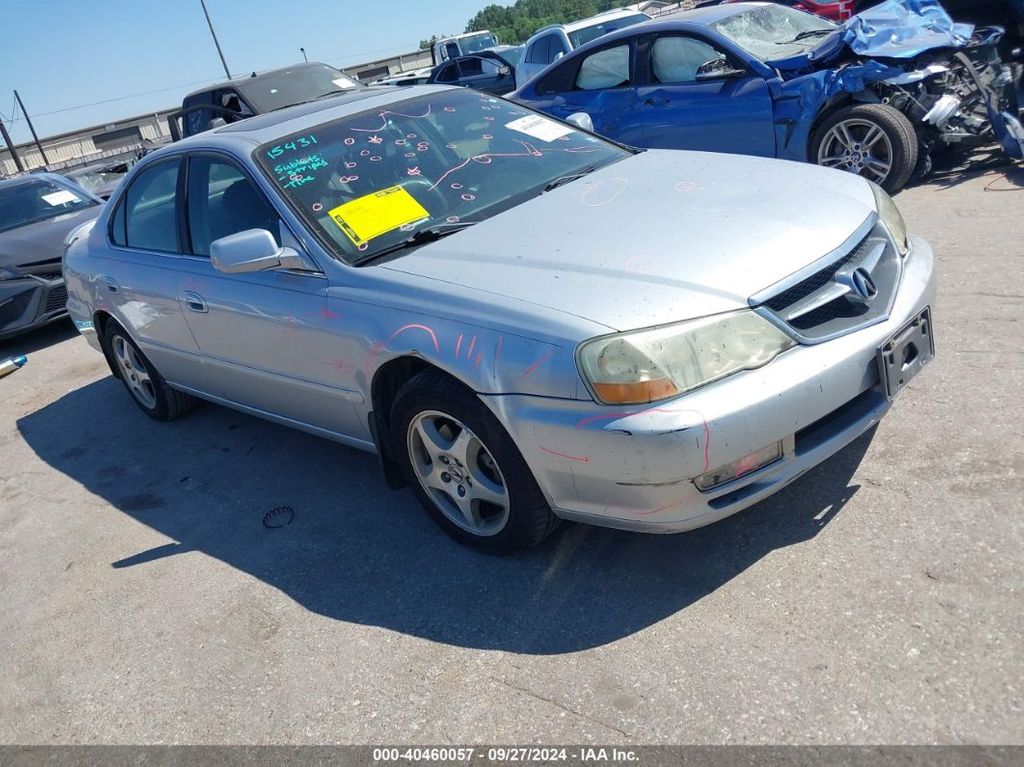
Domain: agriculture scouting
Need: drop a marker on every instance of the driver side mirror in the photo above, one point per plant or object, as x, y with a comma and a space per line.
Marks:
504, 71
725, 73
581, 120
253, 250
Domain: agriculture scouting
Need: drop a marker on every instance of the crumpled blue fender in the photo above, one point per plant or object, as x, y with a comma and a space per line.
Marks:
798, 101
903, 29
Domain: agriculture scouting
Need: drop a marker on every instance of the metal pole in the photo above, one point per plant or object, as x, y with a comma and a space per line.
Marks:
32, 128
304, 56
10, 146
215, 40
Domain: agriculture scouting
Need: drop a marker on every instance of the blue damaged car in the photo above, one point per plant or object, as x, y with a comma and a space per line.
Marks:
877, 95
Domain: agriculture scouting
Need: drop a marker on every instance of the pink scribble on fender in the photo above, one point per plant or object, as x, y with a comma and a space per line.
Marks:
580, 458
379, 345
338, 365
478, 360
639, 264
660, 509
540, 361
328, 314
615, 416
384, 120
472, 343
458, 345
685, 186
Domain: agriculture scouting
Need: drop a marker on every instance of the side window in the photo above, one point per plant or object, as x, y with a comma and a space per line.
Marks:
557, 46
117, 233
150, 212
547, 53
678, 59
448, 74
604, 69
223, 201
471, 67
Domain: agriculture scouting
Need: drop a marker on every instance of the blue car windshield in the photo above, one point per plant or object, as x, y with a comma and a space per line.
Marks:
37, 200
773, 31
367, 182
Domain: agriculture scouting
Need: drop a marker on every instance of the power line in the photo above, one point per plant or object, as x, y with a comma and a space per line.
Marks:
123, 98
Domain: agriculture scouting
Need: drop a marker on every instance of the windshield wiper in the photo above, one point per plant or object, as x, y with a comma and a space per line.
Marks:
807, 33
561, 180
422, 237
315, 98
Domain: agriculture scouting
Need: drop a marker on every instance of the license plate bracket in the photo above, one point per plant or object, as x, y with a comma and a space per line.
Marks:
903, 355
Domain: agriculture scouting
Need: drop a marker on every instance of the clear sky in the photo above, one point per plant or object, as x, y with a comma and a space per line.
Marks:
147, 54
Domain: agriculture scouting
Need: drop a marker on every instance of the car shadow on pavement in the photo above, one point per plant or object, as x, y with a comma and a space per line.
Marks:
351, 550
37, 340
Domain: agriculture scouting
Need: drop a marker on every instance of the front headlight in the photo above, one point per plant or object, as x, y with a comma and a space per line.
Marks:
654, 364
891, 217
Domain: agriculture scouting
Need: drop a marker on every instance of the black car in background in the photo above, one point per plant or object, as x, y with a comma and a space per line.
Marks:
257, 94
37, 214
493, 71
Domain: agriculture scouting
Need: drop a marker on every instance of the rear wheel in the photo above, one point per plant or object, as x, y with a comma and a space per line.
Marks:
464, 468
146, 386
875, 141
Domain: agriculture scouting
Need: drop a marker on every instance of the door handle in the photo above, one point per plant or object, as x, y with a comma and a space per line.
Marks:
111, 284
648, 102
194, 301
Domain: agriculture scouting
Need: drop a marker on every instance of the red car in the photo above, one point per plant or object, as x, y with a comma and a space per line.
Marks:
836, 10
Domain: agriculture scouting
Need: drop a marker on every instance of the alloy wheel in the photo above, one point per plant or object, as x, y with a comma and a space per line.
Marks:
134, 373
858, 146
458, 473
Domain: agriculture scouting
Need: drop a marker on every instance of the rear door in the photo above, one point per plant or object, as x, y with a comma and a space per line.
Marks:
141, 267
266, 337
694, 96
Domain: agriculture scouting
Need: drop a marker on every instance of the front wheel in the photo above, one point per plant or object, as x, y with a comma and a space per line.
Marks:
464, 468
875, 141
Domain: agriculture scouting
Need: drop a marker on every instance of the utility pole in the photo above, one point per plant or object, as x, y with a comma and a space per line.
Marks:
31, 127
10, 146
306, 58
215, 40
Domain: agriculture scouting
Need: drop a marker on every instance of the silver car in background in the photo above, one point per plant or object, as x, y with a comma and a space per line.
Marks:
525, 321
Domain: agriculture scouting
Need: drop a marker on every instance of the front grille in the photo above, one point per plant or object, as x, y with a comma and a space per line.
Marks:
56, 299
826, 303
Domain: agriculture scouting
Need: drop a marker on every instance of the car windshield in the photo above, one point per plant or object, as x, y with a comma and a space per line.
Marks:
37, 200
294, 86
474, 43
583, 36
367, 182
773, 31
92, 180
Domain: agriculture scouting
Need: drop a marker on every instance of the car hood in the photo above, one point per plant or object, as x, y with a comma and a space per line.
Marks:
658, 237
42, 241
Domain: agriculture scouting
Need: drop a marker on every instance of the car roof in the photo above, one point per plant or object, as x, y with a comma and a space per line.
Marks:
282, 122
242, 80
572, 26
15, 180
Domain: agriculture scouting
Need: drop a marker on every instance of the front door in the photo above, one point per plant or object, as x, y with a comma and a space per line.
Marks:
694, 97
265, 336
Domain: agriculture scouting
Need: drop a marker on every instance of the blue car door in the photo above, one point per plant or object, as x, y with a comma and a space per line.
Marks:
602, 85
694, 96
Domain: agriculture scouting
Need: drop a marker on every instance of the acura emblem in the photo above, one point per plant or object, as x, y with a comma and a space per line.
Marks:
862, 288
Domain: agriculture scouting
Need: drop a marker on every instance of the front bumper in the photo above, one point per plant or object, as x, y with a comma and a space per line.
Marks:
633, 467
29, 302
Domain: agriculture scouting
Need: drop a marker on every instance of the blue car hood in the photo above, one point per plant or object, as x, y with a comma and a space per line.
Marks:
894, 29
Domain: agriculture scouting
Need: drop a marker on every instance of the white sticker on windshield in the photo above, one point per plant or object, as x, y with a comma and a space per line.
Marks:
342, 82
539, 127
61, 198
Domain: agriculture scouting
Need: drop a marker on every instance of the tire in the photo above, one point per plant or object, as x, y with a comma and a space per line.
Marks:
896, 146
145, 385
472, 449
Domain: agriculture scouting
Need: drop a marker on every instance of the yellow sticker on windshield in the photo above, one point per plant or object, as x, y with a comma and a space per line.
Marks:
375, 214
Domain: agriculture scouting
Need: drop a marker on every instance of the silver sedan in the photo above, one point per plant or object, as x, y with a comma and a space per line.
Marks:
526, 322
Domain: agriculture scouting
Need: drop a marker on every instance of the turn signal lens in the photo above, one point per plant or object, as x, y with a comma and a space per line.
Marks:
639, 391
737, 469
